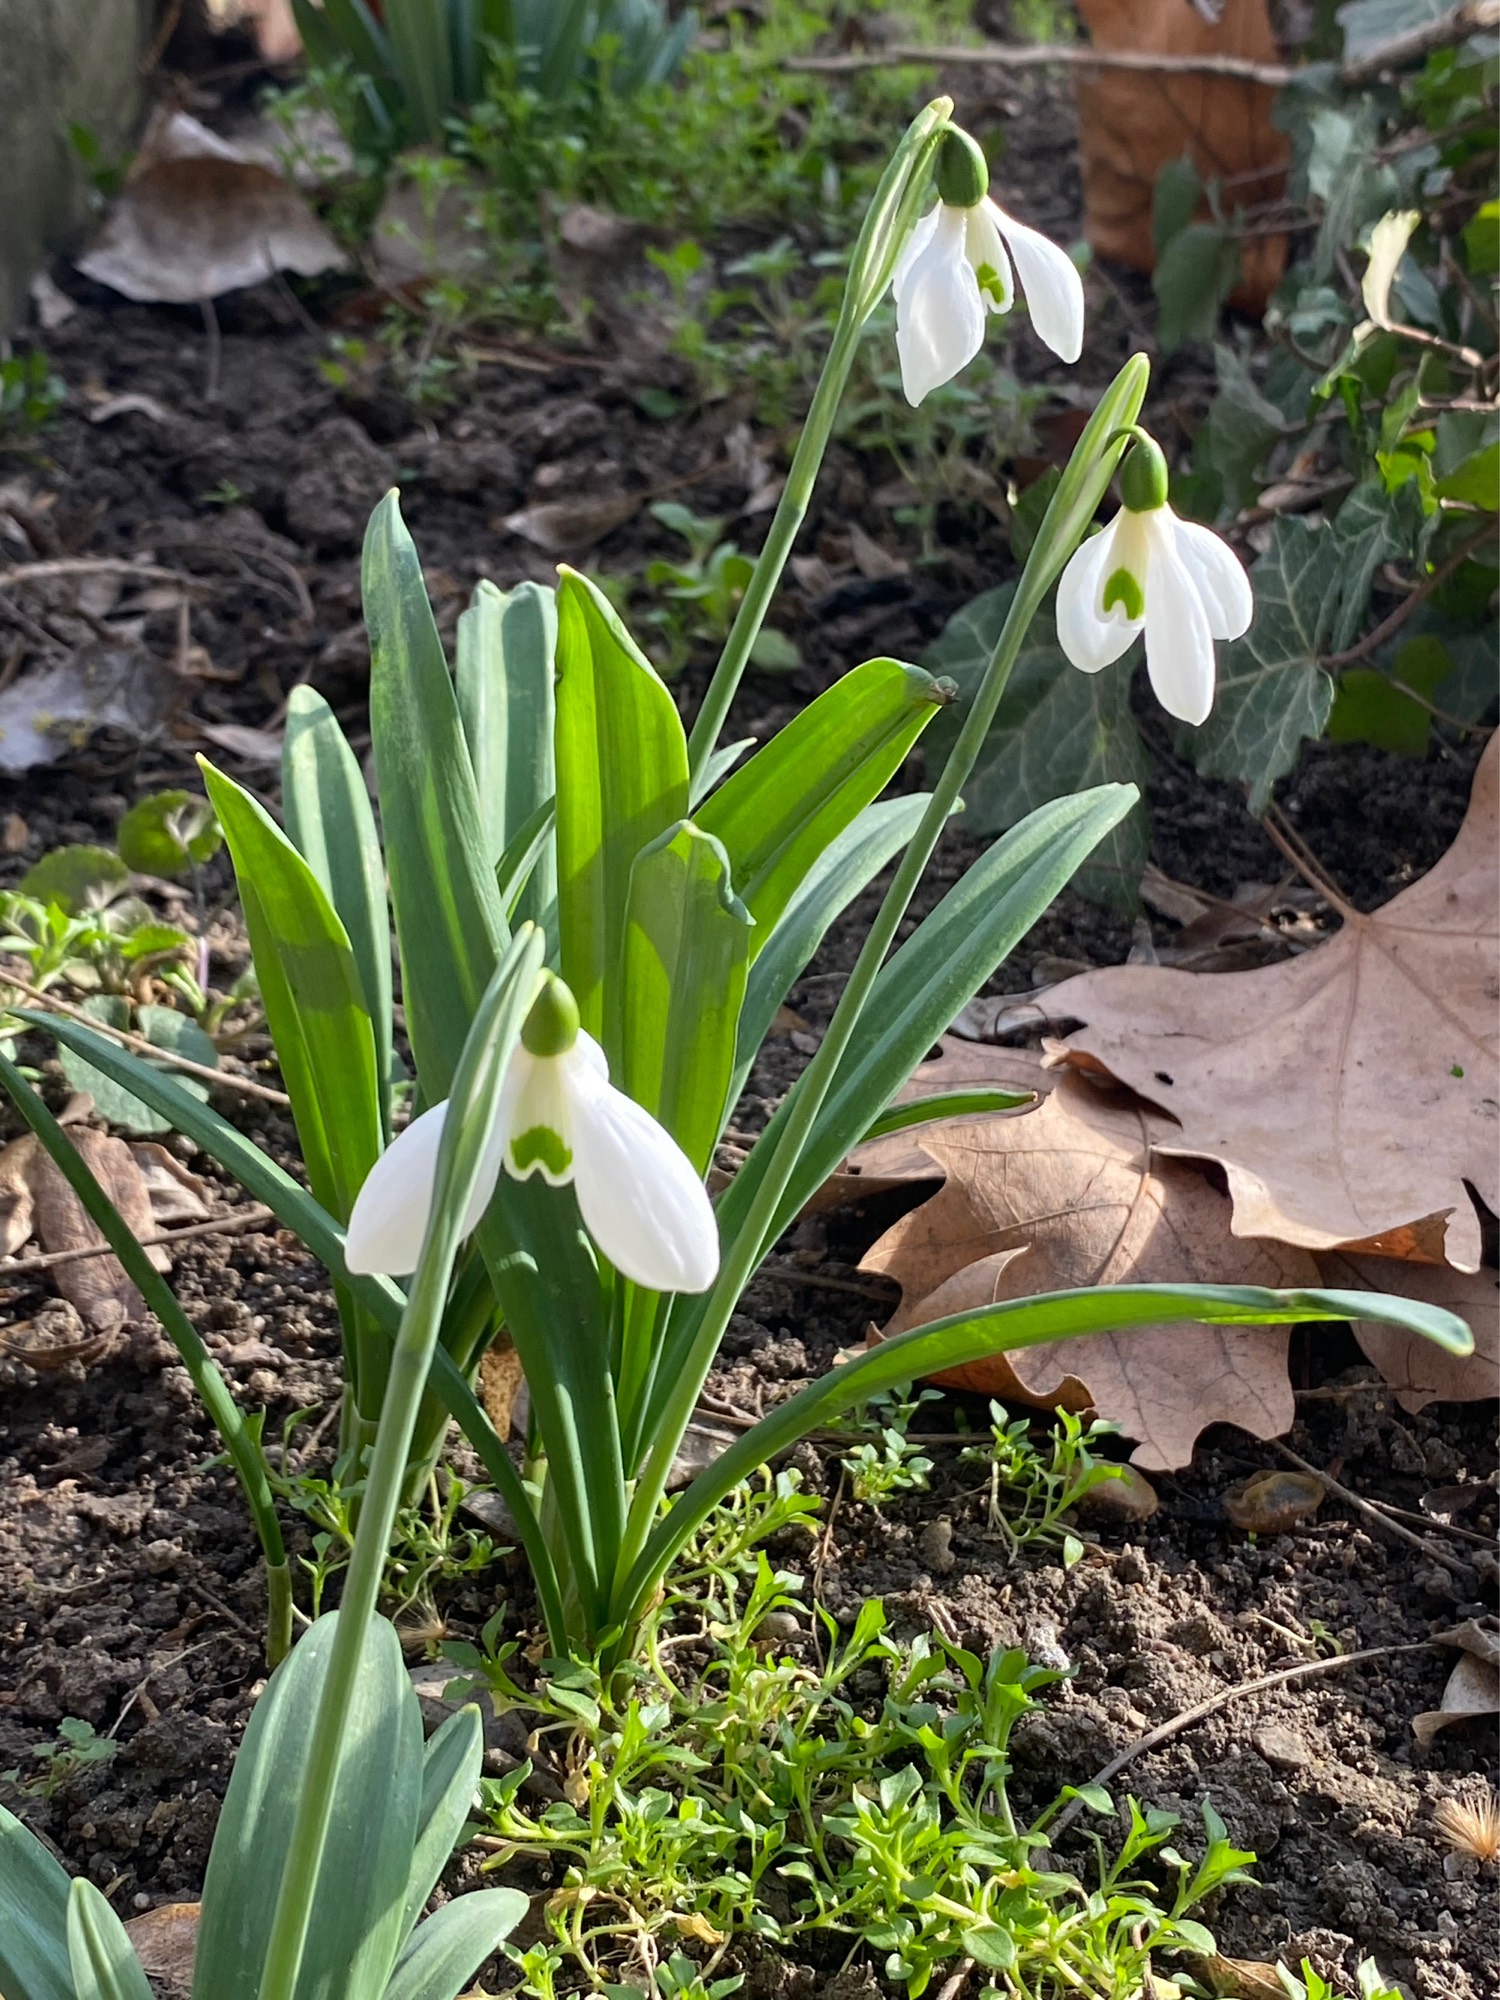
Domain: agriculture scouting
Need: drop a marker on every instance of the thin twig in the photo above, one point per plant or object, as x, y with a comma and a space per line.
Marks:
1177, 1723
783, 1274
1286, 839
45, 572
1485, 532
225, 1079
1455, 1564
47, 1260
1437, 1527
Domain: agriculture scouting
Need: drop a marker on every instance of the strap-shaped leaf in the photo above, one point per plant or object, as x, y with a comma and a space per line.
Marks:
360, 1909
687, 946
778, 813
454, 1942
450, 1776
33, 1917
622, 780
102, 1958
329, 817
314, 998
848, 865
935, 973
1002, 1329
975, 1103
504, 665
422, 59
448, 917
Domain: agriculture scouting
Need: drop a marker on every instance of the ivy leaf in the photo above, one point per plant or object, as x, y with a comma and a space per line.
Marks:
77, 878
1058, 731
1371, 527
1242, 427
1271, 690
1368, 24
1194, 275
165, 1028
169, 833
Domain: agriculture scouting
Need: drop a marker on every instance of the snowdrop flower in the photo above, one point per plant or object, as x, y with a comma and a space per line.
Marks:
955, 268
559, 1116
1147, 568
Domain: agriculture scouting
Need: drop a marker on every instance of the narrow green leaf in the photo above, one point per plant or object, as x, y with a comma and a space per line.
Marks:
33, 1917
314, 999
359, 1912
778, 813
330, 819
450, 1777
936, 972
101, 1956
422, 59
687, 945
448, 917
622, 780
454, 1942
847, 866
718, 768
1003, 1329
522, 860
947, 1104
507, 645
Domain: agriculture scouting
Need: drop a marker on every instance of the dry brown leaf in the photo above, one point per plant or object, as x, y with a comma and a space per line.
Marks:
1349, 1093
1418, 1370
501, 1380
559, 525
1473, 1688
165, 1941
1132, 123
196, 220
1072, 1194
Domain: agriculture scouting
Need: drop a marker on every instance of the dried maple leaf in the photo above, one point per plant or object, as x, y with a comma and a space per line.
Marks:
1073, 1194
1348, 1094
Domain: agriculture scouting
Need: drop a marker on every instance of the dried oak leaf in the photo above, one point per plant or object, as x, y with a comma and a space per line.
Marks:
1473, 1688
165, 1941
1132, 123
1348, 1094
196, 220
1419, 1370
1075, 1194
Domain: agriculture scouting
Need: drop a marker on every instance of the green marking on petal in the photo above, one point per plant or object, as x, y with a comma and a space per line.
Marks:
991, 281
540, 1147
1122, 588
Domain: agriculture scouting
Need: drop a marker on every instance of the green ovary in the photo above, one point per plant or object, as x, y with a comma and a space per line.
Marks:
1123, 589
540, 1147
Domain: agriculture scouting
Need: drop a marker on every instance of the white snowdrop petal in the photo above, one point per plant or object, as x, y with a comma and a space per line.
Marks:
939, 313
1219, 576
1089, 638
1050, 282
1179, 644
536, 1115
921, 235
984, 246
639, 1196
391, 1211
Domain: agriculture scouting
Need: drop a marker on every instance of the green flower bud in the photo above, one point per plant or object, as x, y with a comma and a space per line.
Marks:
963, 178
1143, 477
552, 1025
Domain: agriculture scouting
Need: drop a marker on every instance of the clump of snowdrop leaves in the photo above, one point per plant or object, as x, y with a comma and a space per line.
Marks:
559, 1116
961, 263
1149, 570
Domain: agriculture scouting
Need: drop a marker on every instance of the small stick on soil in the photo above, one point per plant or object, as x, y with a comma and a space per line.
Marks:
47, 1260
784, 1274
1177, 1723
1417, 596
950, 1987
1285, 838
1374, 1513
45, 572
225, 1079
1450, 1528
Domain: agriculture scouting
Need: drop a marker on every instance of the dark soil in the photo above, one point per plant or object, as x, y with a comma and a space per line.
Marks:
129, 1590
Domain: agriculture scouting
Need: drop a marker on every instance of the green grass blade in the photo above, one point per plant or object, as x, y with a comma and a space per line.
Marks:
522, 861
422, 59
448, 917
622, 780
778, 814
100, 1953
976, 1103
1003, 1329
331, 821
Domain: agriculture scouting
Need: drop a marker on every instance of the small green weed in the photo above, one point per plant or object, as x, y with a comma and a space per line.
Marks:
694, 599
72, 1750
890, 1463
1029, 1488
1370, 1983
31, 394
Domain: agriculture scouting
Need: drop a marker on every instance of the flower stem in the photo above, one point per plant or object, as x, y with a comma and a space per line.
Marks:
1079, 493
886, 226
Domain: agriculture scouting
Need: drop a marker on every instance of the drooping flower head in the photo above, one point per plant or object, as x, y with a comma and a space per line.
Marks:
558, 1116
961, 263
1148, 570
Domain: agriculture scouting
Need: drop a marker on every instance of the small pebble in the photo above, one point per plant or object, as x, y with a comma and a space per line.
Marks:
935, 1546
1271, 1503
1130, 1497
778, 1625
1283, 1748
